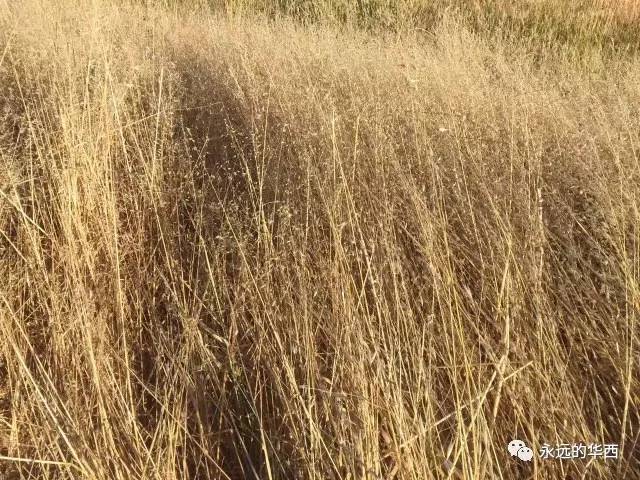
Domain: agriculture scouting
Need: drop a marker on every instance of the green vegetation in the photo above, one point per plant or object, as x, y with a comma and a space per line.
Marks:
540, 24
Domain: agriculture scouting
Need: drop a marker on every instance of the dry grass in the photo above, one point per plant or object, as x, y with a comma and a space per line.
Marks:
240, 248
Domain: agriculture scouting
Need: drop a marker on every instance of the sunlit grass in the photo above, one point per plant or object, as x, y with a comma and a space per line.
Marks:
307, 240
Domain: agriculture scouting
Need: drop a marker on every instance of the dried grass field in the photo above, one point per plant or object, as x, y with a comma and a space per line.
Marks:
373, 239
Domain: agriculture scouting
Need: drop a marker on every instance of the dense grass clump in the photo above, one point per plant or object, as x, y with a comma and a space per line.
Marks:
316, 240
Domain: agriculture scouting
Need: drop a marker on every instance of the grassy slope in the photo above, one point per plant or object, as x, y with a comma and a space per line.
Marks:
234, 248
577, 26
